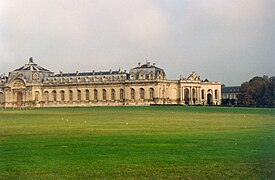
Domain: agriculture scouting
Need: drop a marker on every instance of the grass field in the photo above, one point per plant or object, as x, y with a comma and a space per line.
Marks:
137, 143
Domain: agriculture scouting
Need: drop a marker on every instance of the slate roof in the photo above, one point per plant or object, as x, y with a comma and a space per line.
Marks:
89, 74
31, 66
231, 89
147, 66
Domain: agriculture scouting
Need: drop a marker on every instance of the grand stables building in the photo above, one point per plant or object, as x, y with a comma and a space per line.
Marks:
34, 86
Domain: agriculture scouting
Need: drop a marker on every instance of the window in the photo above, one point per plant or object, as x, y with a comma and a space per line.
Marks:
36, 95
151, 93
62, 95
132, 94
95, 95
202, 94
113, 94
54, 95
1, 97
141, 93
71, 95
46, 94
121, 94
186, 96
104, 93
78, 95
87, 95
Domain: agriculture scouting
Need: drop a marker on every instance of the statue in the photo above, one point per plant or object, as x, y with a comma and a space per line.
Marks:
194, 77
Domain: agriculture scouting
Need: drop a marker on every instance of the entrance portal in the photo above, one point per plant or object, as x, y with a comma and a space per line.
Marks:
186, 96
19, 99
209, 99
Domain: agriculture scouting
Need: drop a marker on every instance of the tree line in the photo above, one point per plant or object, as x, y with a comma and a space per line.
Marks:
259, 91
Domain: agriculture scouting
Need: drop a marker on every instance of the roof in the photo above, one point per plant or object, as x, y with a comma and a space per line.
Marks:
31, 66
147, 65
231, 89
89, 73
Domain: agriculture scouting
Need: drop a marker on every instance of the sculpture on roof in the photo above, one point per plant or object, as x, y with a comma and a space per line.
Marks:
194, 77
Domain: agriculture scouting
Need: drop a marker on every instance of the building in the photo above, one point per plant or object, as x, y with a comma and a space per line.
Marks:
229, 94
34, 86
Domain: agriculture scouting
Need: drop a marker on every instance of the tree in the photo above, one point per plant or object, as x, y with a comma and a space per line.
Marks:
258, 91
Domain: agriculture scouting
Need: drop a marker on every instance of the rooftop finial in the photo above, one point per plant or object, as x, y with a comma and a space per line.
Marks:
30, 60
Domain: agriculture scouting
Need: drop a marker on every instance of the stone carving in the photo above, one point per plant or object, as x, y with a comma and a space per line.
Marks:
132, 76
194, 77
151, 75
35, 76
141, 75
18, 83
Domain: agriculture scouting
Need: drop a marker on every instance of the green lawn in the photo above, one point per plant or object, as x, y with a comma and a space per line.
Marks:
137, 143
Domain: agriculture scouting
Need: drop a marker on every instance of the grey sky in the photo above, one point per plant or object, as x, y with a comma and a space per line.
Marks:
222, 40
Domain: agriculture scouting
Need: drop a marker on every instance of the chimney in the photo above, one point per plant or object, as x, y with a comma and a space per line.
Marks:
139, 64
77, 73
148, 64
61, 73
93, 72
154, 64
110, 71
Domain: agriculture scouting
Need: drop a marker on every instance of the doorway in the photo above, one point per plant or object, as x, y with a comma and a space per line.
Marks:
209, 99
19, 98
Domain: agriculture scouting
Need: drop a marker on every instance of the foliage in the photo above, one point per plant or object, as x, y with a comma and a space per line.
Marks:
229, 101
258, 91
137, 143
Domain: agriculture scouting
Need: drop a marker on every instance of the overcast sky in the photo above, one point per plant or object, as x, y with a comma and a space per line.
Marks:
223, 40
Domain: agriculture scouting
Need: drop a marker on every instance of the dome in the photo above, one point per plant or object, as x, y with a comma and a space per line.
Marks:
30, 72
31, 66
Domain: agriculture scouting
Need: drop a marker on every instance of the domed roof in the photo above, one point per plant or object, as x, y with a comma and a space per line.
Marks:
31, 66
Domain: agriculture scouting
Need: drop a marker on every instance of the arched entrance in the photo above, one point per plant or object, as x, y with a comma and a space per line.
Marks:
209, 99
19, 99
186, 96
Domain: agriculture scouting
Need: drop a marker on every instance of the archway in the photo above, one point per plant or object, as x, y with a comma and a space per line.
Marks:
186, 96
19, 99
209, 99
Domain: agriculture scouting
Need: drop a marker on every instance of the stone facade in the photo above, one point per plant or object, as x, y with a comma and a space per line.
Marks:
230, 92
34, 86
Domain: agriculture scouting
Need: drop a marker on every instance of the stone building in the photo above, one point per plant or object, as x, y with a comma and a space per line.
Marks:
230, 92
34, 86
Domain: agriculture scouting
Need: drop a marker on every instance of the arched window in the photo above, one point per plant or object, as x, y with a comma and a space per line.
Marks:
46, 96
202, 94
78, 95
36, 96
54, 95
87, 95
216, 94
141, 93
62, 95
1, 97
151, 93
132, 94
121, 94
71, 95
113, 94
95, 95
104, 94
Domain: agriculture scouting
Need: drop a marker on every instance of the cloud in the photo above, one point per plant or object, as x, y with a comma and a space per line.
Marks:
64, 30
214, 37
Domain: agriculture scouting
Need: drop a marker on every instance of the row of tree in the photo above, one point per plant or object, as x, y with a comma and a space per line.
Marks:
258, 91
